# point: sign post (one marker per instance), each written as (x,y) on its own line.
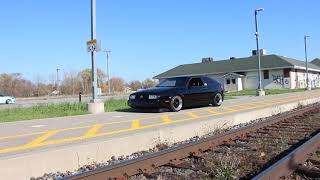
(95,106)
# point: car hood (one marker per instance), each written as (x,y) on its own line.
(155,90)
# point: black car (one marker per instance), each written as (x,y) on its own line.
(180,92)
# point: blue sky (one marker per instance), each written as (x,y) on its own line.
(148,37)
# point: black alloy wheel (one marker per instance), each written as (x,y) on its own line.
(176,103)
(8,101)
(217,99)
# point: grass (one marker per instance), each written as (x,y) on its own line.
(42,111)
(115,105)
(268,91)
(56,110)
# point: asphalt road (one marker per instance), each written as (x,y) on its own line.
(26,102)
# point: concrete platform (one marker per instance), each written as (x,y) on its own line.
(31,148)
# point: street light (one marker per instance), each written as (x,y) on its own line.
(109,85)
(260,91)
(306,56)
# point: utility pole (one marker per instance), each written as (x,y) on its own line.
(93,37)
(306,57)
(109,85)
(260,91)
(95,105)
(58,81)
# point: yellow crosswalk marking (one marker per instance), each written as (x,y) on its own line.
(166,119)
(193,115)
(135,124)
(93,130)
(42,138)
(230,109)
(212,111)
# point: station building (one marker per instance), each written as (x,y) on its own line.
(277,72)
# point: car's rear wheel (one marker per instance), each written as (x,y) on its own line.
(8,101)
(176,103)
(217,99)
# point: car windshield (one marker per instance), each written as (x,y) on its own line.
(172,82)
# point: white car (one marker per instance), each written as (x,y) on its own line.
(7,99)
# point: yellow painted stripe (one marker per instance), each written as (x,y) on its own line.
(243,106)
(229,109)
(135,124)
(193,115)
(212,111)
(93,130)
(61,130)
(42,138)
(166,119)
(148,117)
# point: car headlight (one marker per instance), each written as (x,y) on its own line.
(132,96)
(153,97)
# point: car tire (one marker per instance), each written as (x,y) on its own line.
(217,99)
(176,103)
(8,101)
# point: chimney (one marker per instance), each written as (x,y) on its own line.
(207,59)
(262,52)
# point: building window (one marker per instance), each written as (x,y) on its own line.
(286,73)
(266,74)
(228,81)
(233,81)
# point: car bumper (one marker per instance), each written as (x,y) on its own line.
(149,103)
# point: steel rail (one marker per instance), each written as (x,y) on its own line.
(291,162)
(149,163)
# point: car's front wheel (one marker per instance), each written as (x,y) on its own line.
(8,101)
(217,99)
(176,103)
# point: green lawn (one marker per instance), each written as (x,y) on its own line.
(268,91)
(42,111)
(56,110)
(116,105)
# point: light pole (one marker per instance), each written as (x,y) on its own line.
(95,105)
(306,57)
(93,37)
(109,85)
(260,91)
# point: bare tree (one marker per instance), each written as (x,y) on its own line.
(148,83)
(135,85)
(117,84)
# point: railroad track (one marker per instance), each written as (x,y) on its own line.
(286,145)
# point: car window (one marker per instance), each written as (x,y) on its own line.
(196,82)
(173,82)
(167,83)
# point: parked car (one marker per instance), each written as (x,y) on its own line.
(180,92)
(7,99)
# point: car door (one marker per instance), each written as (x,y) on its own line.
(196,92)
